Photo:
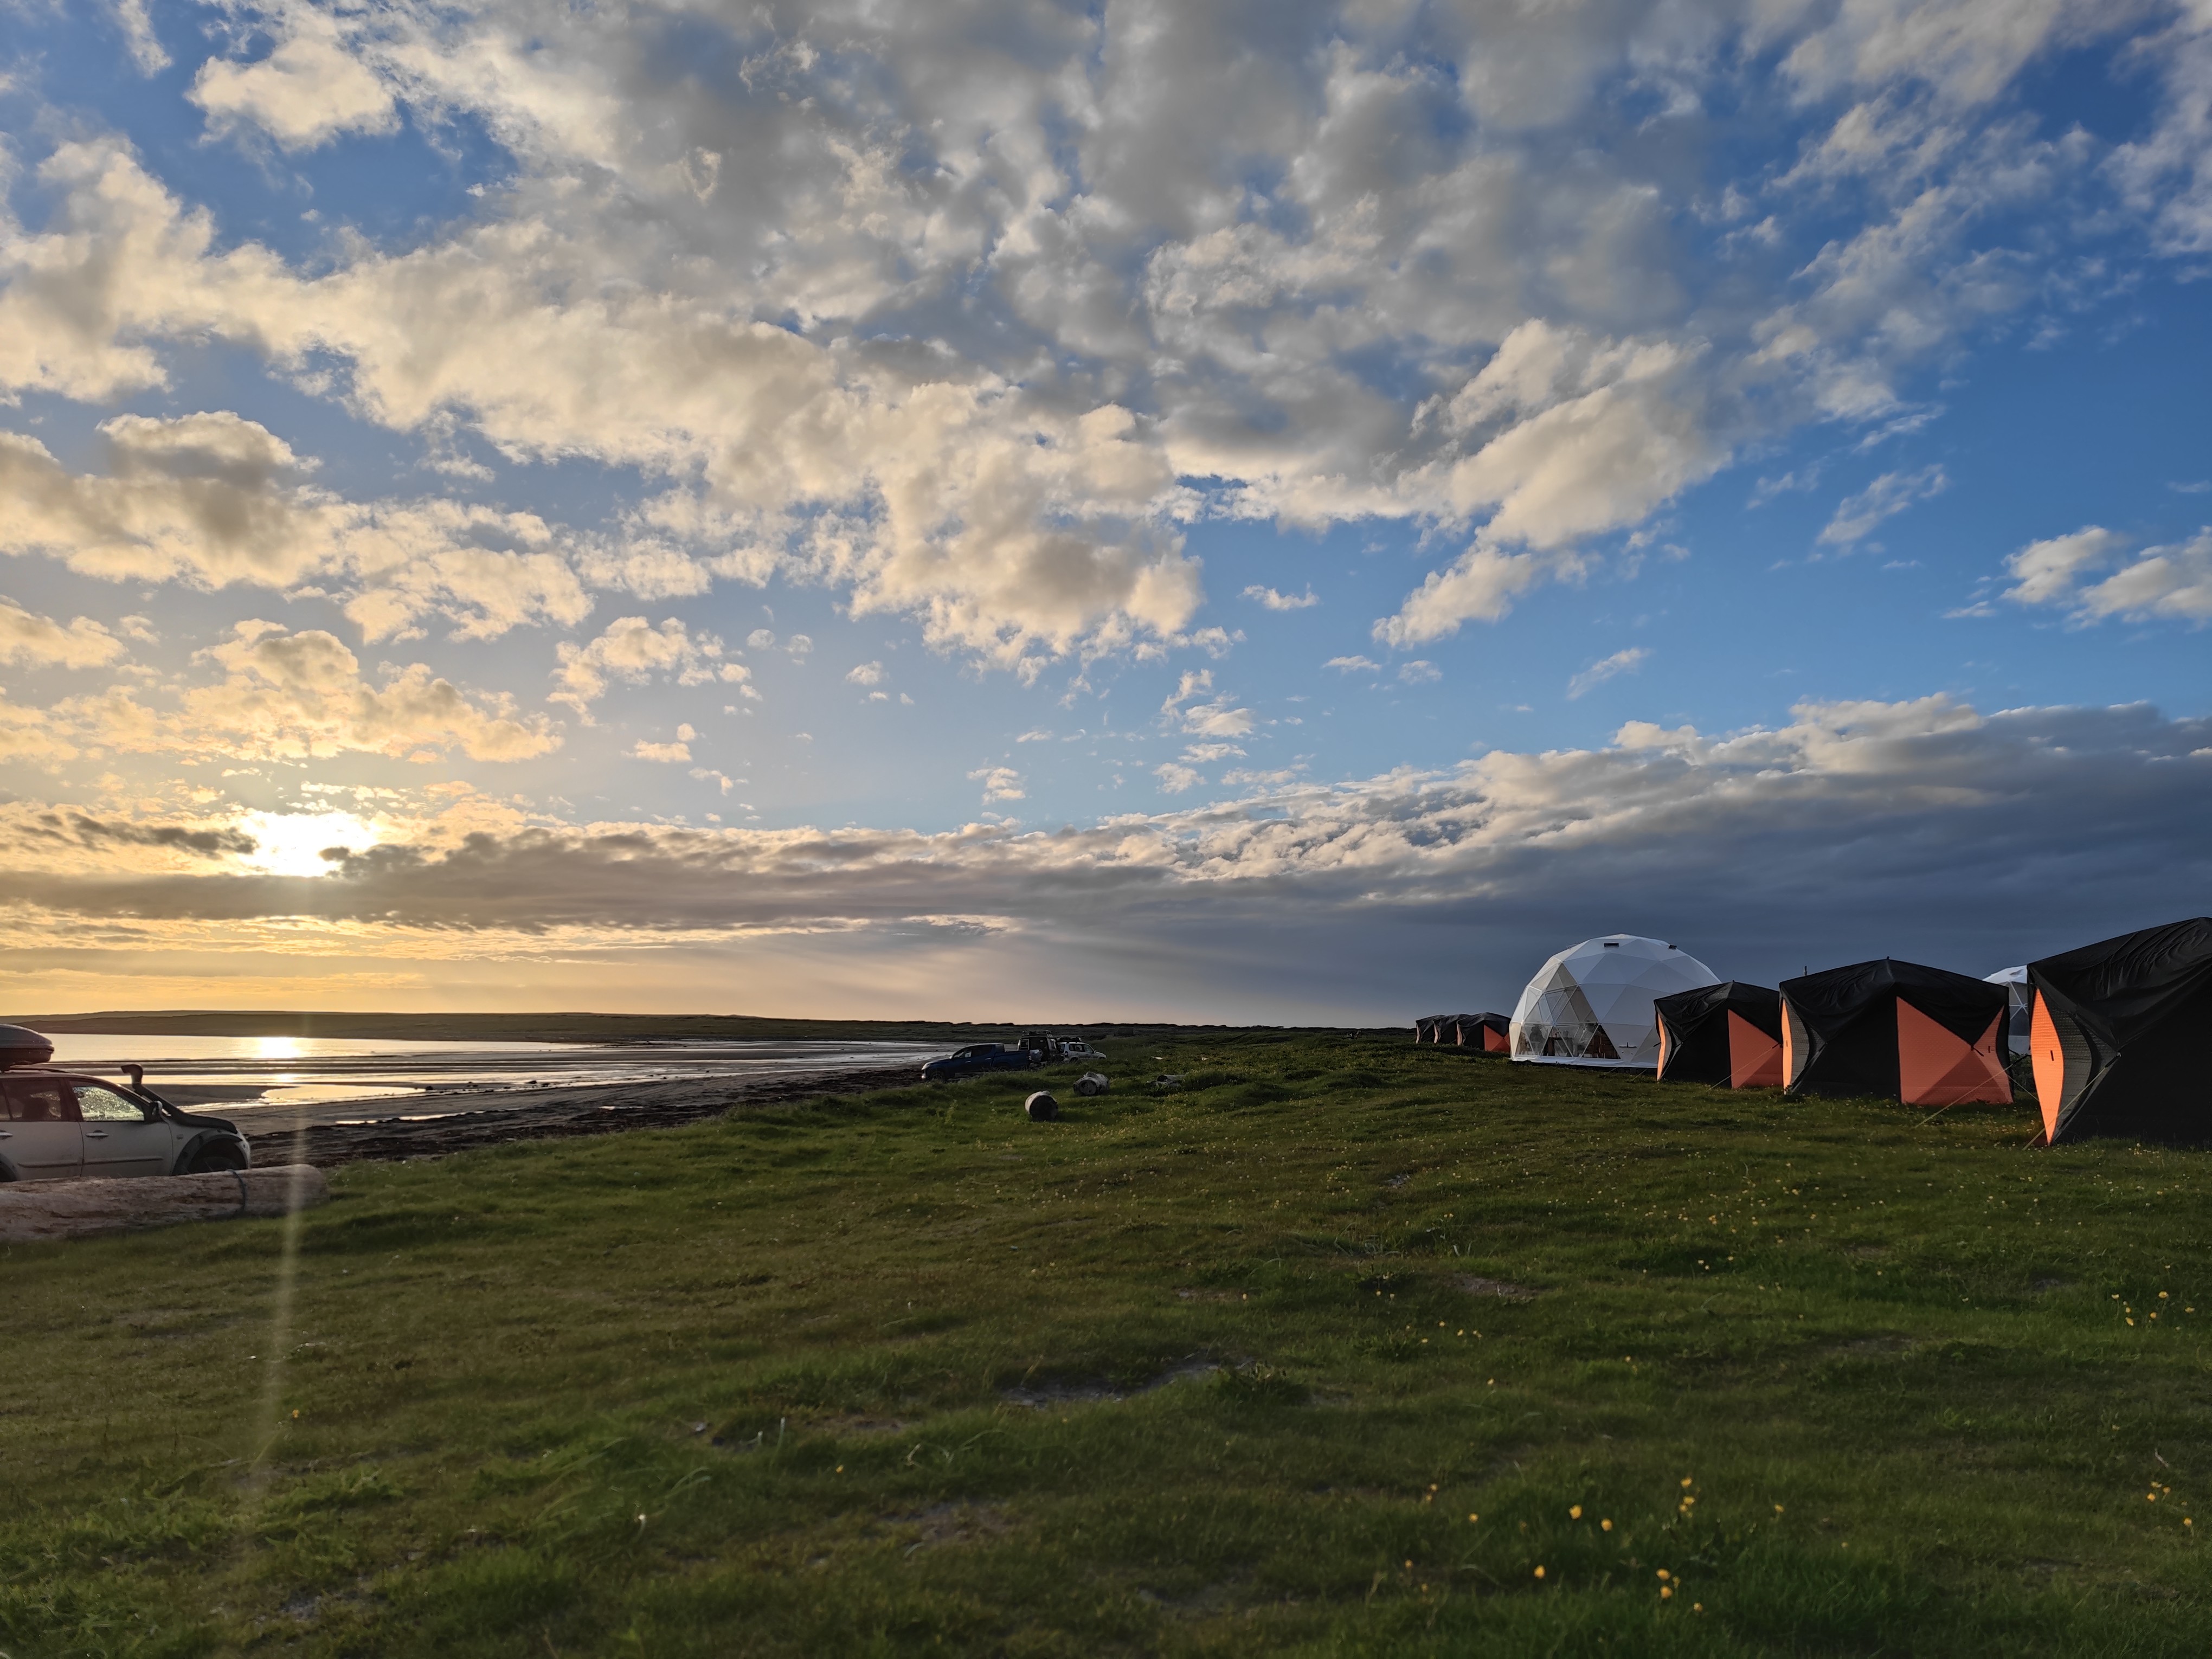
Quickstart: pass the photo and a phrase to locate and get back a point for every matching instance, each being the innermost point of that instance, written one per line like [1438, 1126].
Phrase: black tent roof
[2119, 1033]
[1695, 1027]
[1840, 1026]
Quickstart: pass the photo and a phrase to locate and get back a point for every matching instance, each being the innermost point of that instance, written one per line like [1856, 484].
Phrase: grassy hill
[1352, 1347]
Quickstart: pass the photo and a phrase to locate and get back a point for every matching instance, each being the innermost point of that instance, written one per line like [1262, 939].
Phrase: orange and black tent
[1923, 1036]
[1486, 1034]
[1728, 1033]
[2117, 1031]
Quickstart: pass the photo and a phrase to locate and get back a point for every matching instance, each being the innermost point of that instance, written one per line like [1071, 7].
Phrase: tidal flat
[1349, 1347]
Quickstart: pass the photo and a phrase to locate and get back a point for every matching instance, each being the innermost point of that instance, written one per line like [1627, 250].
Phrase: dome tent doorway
[2118, 1034]
[1925, 1036]
[1725, 1035]
[1591, 1004]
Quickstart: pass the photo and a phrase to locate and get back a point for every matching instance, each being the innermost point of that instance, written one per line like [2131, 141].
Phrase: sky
[1249, 511]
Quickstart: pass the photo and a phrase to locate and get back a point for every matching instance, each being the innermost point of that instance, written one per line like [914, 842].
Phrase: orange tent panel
[2050, 1067]
[1494, 1040]
[1935, 1068]
[1754, 1058]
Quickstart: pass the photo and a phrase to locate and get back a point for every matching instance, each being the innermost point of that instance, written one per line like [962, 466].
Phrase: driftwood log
[32, 1212]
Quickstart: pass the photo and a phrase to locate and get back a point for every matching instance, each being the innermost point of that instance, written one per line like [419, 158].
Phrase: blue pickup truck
[975, 1060]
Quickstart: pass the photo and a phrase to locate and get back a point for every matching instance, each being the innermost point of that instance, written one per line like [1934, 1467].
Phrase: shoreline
[319, 1135]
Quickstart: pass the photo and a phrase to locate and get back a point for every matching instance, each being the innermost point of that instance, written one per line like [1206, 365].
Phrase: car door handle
[95, 1134]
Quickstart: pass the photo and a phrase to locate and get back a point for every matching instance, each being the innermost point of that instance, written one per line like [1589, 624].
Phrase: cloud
[1211, 718]
[1479, 586]
[137, 26]
[301, 695]
[214, 499]
[1274, 601]
[1887, 496]
[679, 750]
[999, 783]
[633, 651]
[973, 346]
[2161, 582]
[1420, 672]
[37, 641]
[1350, 896]
[1620, 662]
[306, 92]
[1349, 664]
[1176, 779]
[868, 673]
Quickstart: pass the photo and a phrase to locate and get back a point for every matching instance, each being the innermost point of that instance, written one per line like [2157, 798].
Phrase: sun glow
[292, 843]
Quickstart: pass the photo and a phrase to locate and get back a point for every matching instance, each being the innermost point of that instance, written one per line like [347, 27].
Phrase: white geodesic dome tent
[1591, 1006]
[2016, 981]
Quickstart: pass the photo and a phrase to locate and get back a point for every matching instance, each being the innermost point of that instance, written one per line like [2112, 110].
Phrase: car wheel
[213, 1157]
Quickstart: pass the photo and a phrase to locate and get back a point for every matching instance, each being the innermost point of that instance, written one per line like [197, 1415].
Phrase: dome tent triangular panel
[2119, 1029]
[1591, 1004]
[1926, 1037]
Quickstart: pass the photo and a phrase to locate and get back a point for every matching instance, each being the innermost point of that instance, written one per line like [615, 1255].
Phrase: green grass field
[1353, 1348]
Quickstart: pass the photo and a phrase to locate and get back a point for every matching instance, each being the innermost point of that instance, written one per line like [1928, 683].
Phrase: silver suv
[55, 1125]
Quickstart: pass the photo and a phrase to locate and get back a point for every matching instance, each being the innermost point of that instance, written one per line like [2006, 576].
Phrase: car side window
[98, 1105]
[41, 1100]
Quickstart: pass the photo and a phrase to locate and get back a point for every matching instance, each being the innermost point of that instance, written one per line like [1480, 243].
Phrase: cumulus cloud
[634, 652]
[304, 93]
[2172, 583]
[680, 750]
[1274, 601]
[1351, 665]
[214, 499]
[1420, 672]
[1479, 586]
[301, 695]
[35, 640]
[973, 344]
[1889, 494]
[999, 783]
[1620, 662]
[868, 673]
[1176, 778]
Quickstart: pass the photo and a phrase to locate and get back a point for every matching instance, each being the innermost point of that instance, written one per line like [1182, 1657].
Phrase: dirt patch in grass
[951, 1524]
[1045, 1393]
[1475, 1285]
